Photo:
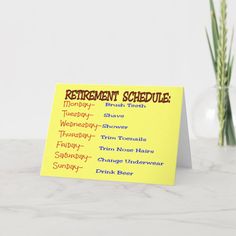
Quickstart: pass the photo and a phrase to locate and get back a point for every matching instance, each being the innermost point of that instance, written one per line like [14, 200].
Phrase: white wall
[148, 42]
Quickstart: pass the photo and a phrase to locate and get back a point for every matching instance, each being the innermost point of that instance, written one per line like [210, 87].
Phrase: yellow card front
[116, 133]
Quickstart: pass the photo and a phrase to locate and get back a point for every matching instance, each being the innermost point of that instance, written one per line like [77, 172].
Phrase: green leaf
[212, 54]
[214, 28]
[231, 45]
[230, 134]
[229, 131]
[231, 64]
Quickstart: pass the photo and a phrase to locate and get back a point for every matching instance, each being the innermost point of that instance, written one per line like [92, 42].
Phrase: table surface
[203, 202]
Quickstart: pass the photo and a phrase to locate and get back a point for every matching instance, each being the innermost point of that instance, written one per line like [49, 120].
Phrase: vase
[214, 115]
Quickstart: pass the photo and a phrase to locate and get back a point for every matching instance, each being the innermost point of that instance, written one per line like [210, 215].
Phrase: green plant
[223, 64]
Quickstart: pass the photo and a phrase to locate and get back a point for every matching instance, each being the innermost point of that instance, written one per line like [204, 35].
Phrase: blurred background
[133, 42]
